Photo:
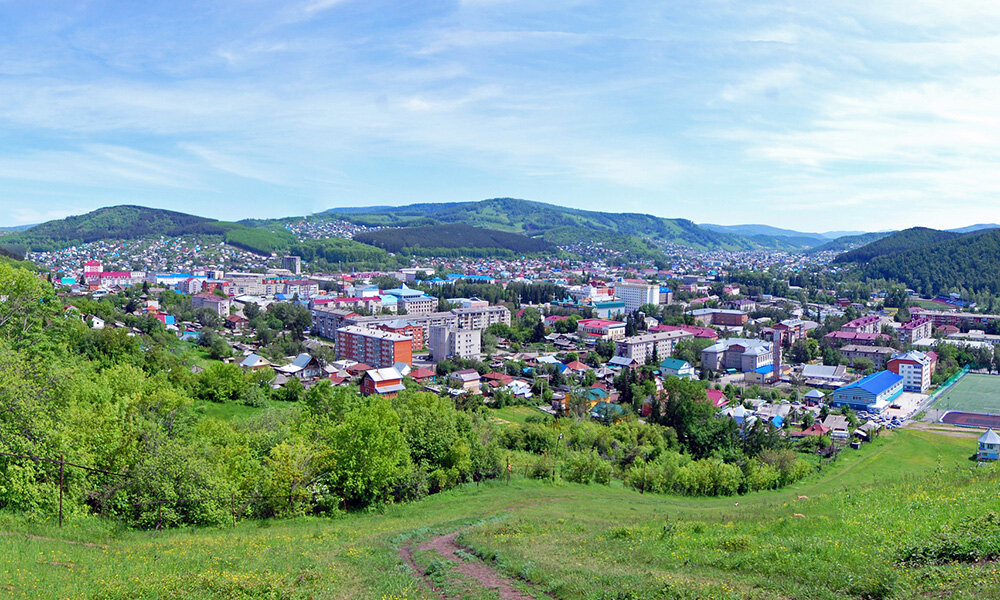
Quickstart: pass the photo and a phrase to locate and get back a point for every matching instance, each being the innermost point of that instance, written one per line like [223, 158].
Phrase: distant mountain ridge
[900, 241]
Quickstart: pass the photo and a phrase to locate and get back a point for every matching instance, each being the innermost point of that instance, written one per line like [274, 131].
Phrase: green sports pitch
[972, 393]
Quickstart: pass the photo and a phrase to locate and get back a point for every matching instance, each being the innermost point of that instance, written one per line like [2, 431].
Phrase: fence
[947, 384]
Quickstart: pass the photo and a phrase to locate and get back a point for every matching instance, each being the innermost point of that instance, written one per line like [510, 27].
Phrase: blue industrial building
[872, 393]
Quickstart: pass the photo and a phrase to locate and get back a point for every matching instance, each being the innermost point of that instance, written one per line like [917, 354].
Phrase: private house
[872, 393]
[838, 426]
[302, 366]
[466, 379]
[254, 362]
[989, 446]
[813, 397]
[383, 382]
[676, 367]
[236, 322]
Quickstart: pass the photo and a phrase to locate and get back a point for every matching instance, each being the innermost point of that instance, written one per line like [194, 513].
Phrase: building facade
[741, 354]
[634, 293]
[873, 393]
[915, 369]
[446, 342]
[642, 347]
[373, 347]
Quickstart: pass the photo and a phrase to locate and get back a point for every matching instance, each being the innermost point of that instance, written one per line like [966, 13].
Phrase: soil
[476, 571]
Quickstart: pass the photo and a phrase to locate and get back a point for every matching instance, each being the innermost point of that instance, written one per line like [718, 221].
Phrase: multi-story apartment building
[962, 320]
[737, 353]
[720, 316]
[404, 327]
[917, 328]
[869, 324]
[879, 355]
[600, 328]
[915, 369]
[216, 303]
[635, 293]
[481, 317]
[642, 347]
[373, 347]
[446, 342]
[417, 305]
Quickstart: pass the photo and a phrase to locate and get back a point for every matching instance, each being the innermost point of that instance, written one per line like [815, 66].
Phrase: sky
[814, 116]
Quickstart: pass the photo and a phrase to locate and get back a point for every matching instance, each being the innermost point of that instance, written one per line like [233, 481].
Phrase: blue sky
[846, 116]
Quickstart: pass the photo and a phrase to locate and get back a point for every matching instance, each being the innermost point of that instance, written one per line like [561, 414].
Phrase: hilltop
[899, 241]
[969, 262]
[127, 222]
[556, 224]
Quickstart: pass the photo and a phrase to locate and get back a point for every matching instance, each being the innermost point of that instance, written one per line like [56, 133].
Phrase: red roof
[695, 330]
[422, 373]
[595, 323]
[92, 263]
[578, 366]
[814, 429]
[717, 398]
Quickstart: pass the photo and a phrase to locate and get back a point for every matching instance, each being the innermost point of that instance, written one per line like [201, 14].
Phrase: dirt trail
[477, 571]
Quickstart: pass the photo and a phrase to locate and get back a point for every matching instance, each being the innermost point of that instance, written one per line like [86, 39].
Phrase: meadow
[972, 393]
[910, 515]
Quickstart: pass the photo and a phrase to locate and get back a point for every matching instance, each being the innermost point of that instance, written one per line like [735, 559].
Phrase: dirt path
[474, 570]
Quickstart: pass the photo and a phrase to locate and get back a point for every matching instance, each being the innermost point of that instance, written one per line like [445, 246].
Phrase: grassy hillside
[132, 222]
[537, 219]
[907, 517]
[899, 241]
[452, 236]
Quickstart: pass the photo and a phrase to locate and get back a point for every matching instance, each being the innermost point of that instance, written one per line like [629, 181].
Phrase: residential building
[373, 347]
[604, 329]
[856, 337]
[254, 362]
[292, 263]
[917, 328]
[466, 379]
[698, 331]
[677, 368]
[879, 355]
[642, 347]
[218, 304]
[915, 369]
[872, 393]
[445, 342]
[383, 382]
[868, 324]
[989, 446]
[962, 320]
[720, 317]
[635, 293]
[481, 317]
[741, 354]
[404, 327]
[417, 305]
[327, 320]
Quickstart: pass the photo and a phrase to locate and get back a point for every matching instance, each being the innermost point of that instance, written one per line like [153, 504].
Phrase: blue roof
[665, 290]
[673, 363]
[764, 370]
[876, 383]
[778, 421]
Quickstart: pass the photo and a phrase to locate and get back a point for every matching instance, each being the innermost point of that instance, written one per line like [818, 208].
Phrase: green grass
[571, 541]
[517, 414]
[228, 411]
[972, 393]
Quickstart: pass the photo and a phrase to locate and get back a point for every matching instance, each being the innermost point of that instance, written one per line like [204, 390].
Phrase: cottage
[383, 382]
[989, 446]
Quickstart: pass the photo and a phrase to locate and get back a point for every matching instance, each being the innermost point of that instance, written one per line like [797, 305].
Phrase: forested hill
[900, 241]
[452, 236]
[131, 222]
[850, 242]
[969, 262]
[556, 224]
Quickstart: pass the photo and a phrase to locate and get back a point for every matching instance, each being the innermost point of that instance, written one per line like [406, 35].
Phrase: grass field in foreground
[572, 541]
[516, 414]
[972, 393]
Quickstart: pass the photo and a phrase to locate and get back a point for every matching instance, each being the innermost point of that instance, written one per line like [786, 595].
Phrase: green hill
[131, 222]
[452, 236]
[968, 262]
[899, 241]
[850, 242]
[546, 221]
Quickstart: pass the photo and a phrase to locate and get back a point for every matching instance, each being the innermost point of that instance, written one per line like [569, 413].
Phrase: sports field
[972, 393]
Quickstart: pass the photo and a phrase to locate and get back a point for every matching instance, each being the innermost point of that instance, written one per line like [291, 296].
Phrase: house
[603, 329]
[384, 382]
[872, 393]
[302, 366]
[816, 429]
[989, 446]
[606, 412]
[467, 379]
[578, 367]
[717, 398]
[838, 426]
[236, 322]
[743, 416]
[254, 362]
[619, 362]
[423, 375]
[813, 397]
[676, 367]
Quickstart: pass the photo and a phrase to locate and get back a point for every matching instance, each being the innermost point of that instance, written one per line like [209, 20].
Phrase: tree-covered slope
[538, 219]
[132, 222]
[900, 241]
[970, 262]
[850, 242]
[452, 236]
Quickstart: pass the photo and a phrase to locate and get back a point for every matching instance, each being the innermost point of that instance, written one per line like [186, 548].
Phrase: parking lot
[908, 403]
